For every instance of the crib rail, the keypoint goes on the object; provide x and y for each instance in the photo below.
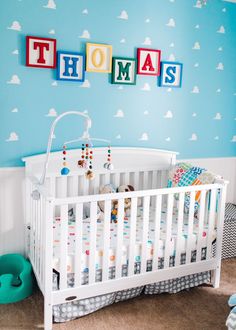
(76, 184)
(210, 214)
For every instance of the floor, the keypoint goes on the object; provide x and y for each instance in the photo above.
(202, 308)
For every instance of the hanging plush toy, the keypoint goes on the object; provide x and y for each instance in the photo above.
(82, 162)
(65, 170)
(109, 165)
(89, 162)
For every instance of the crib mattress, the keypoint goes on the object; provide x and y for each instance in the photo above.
(126, 233)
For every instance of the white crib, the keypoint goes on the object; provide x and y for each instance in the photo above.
(146, 170)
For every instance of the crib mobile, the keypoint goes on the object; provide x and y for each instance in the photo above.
(86, 161)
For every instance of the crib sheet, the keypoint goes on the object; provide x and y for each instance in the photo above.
(126, 233)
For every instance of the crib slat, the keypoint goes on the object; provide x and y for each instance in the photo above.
(154, 180)
(153, 186)
(52, 186)
(92, 251)
(179, 228)
(75, 185)
(126, 178)
(85, 186)
(63, 187)
(116, 179)
(81, 184)
(63, 246)
(145, 180)
(200, 225)
(96, 184)
(146, 205)
(157, 231)
(107, 178)
(211, 222)
(133, 219)
(78, 242)
(136, 180)
(119, 242)
(190, 227)
(168, 230)
(106, 240)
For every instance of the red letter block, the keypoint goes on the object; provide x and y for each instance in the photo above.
(149, 61)
(40, 52)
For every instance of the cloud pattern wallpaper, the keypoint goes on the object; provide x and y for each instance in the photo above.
(197, 120)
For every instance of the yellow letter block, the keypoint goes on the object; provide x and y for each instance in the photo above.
(98, 57)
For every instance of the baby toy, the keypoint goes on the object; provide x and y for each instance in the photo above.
(126, 188)
(109, 165)
(65, 170)
(106, 189)
(82, 162)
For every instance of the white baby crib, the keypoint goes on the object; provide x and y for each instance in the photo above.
(145, 169)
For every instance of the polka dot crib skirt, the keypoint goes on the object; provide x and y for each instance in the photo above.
(72, 310)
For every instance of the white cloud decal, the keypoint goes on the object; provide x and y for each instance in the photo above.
(12, 137)
(220, 66)
(51, 113)
(144, 137)
(193, 137)
(147, 41)
(196, 46)
(119, 114)
(15, 80)
(85, 35)
(233, 138)
(171, 23)
(146, 87)
(198, 4)
(15, 26)
(86, 84)
(195, 90)
(218, 116)
(221, 29)
(51, 4)
(168, 115)
(123, 15)
(15, 52)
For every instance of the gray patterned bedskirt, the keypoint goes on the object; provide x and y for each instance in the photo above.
(72, 310)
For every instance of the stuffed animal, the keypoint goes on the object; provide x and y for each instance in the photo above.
(107, 189)
(126, 188)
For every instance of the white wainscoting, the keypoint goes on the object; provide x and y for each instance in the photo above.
(12, 227)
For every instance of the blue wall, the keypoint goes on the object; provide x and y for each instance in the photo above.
(192, 130)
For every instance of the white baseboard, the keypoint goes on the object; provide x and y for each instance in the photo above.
(12, 199)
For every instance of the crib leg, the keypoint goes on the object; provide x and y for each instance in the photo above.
(215, 276)
(47, 315)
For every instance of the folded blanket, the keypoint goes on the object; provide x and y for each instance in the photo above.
(184, 174)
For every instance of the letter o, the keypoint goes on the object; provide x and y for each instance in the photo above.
(101, 54)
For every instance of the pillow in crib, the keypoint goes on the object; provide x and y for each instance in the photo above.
(184, 174)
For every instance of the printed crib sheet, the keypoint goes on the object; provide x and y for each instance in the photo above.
(126, 233)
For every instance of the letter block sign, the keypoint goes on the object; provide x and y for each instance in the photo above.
(124, 71)
(70, 66)
(98, 57)
(149, 61)
(40, 52)
(171, 74)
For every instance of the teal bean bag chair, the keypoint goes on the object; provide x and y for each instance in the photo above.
(16, 280)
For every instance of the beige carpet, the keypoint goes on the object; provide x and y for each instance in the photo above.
(200, 308)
